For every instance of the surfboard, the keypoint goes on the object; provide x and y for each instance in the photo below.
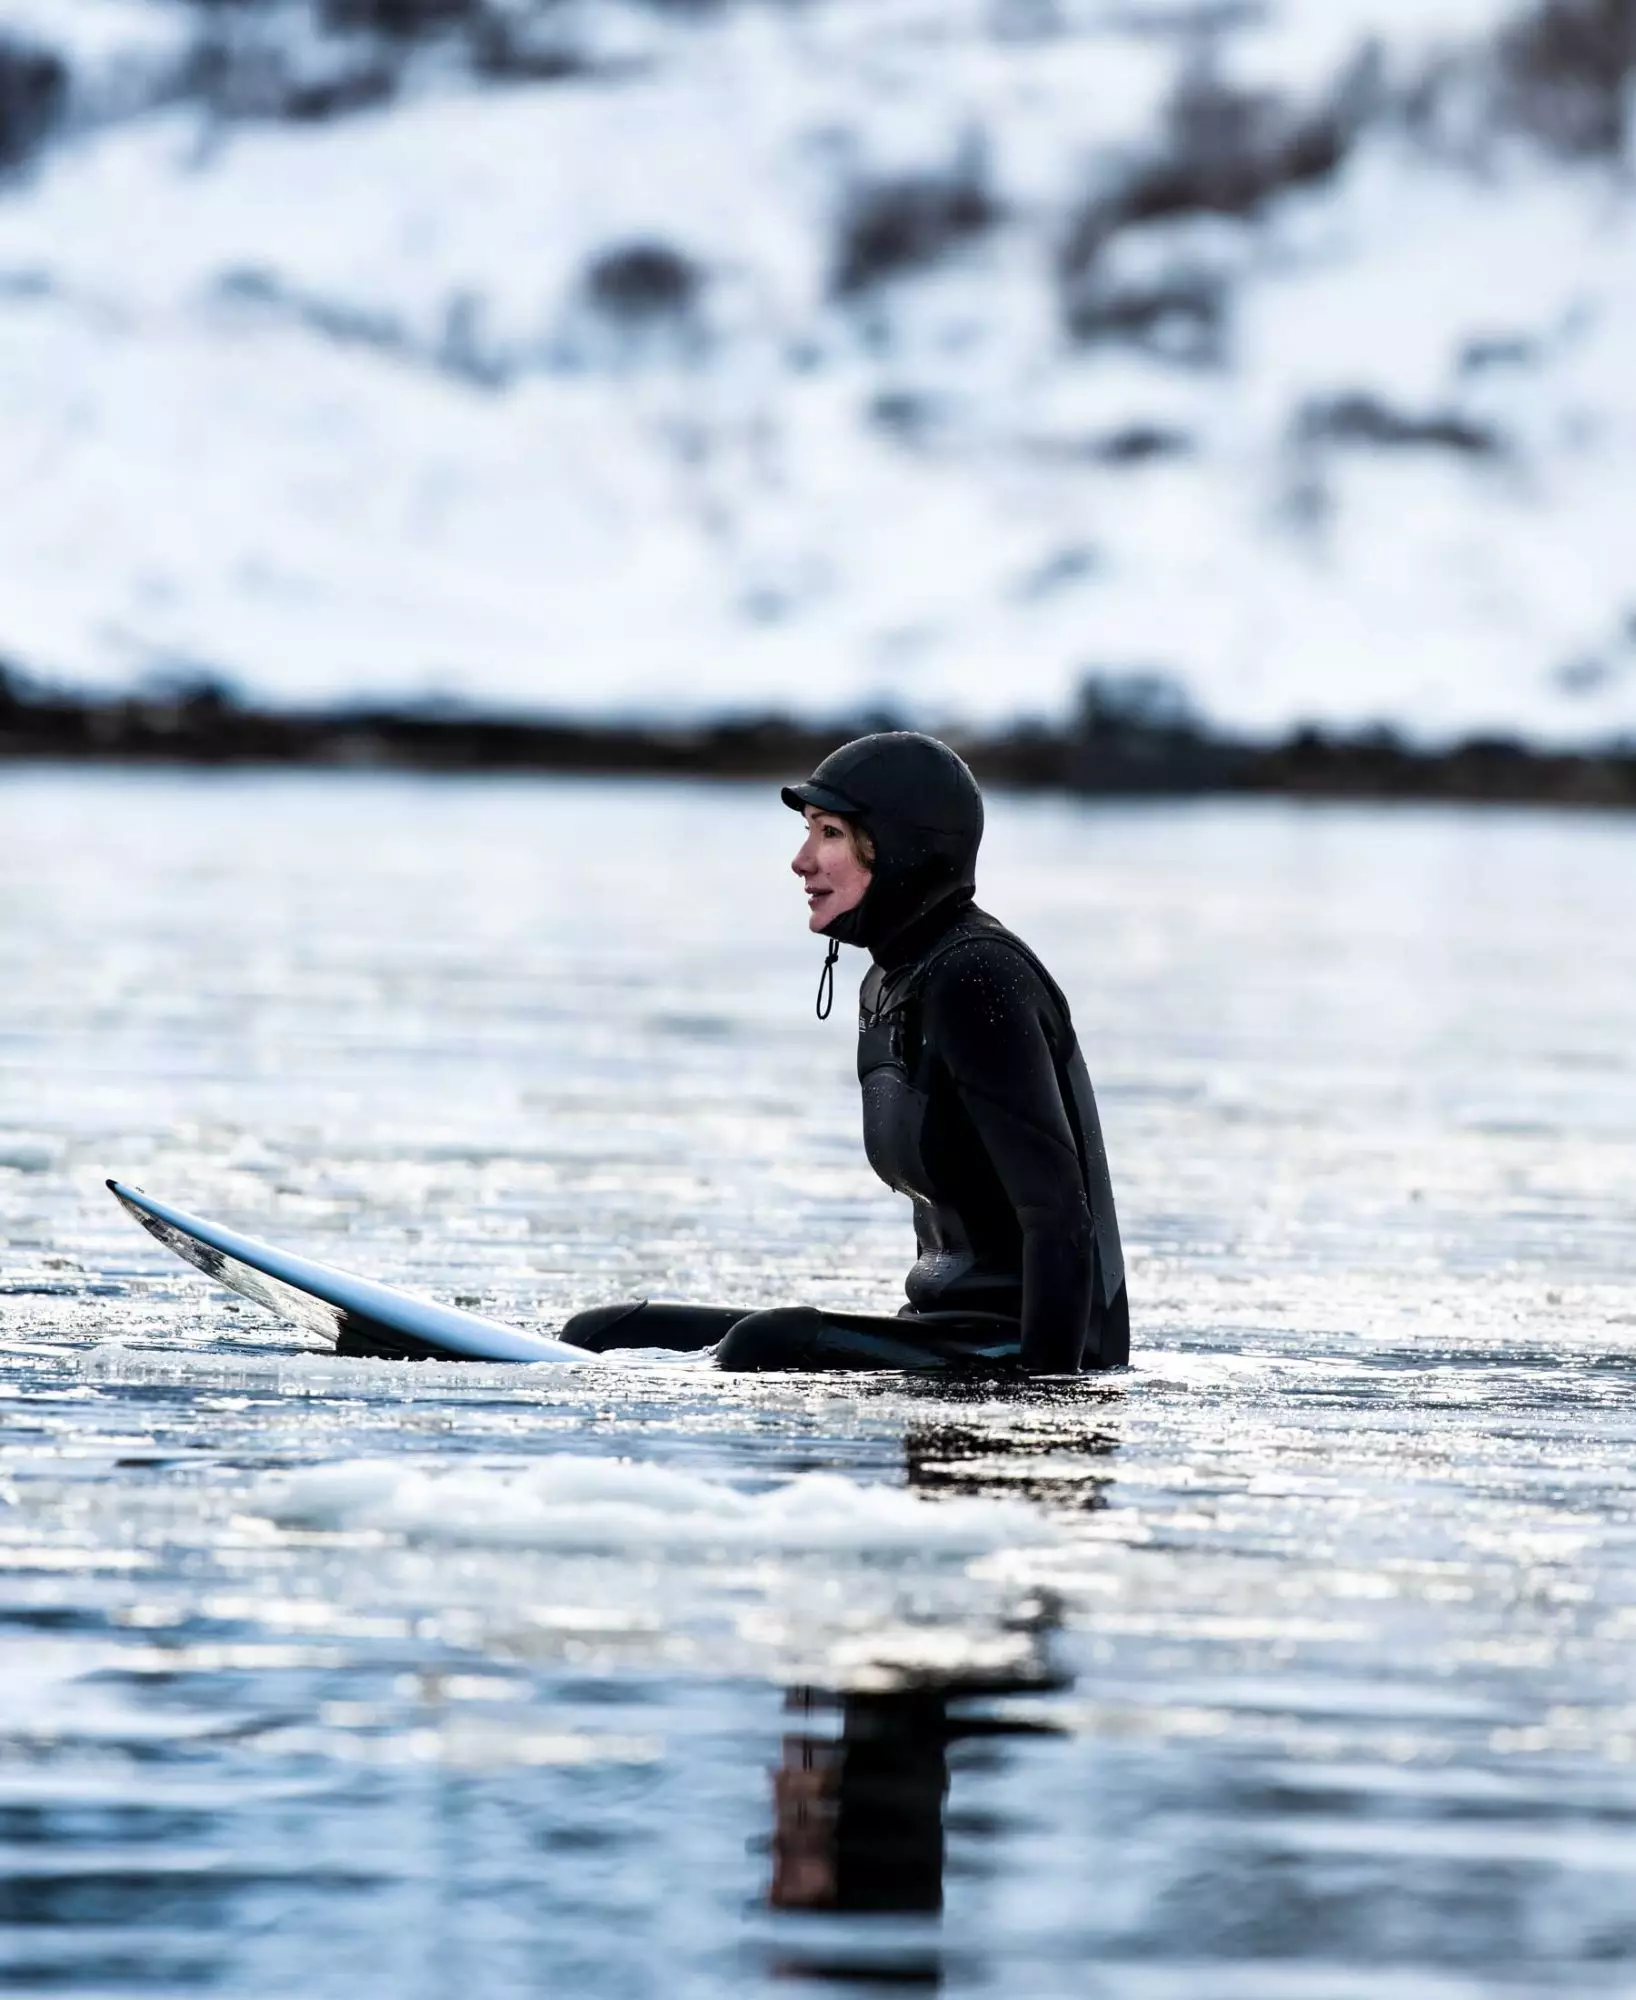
(357, 1314)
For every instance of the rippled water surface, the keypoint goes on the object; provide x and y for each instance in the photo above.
(1296, 1661)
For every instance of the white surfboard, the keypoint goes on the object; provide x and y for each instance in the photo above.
(357, 1314)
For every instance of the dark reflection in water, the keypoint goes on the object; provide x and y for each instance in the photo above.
(861, 1789)
(858, 1811)
(859, 1817)
(991, 1463)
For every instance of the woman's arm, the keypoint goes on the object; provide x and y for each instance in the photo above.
(986, 1012)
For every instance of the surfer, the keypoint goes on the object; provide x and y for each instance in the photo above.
(976, 1102)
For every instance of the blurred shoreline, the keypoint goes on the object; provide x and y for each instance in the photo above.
(1118, 742)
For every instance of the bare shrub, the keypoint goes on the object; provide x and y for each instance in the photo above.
(1227, 151)
(351, 325)
(909, 416)
(525, 46)
(33, 96)
(1224, 153)
(401, 19)
(1142, 444)
(1181, 316)
(640, 284)
(895, 226)
(1065, 568)
(246, 64)
(1362, 419)
(1230, 150)
(317, 59)
(1487, 352)
(1565, 73)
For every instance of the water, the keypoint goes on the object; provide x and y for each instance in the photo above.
(1295, 1662)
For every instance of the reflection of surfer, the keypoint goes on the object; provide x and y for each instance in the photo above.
(858, 1815)
(858, 1808)
(977, 1103)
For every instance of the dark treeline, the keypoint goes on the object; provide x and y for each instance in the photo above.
(1125, 737)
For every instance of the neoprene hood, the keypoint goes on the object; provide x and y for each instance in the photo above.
(921, 807)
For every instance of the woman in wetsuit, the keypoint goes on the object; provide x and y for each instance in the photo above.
(976, 1102)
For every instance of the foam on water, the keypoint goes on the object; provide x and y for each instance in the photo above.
(597, 1505)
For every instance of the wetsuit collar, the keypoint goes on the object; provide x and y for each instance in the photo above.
(908, 940)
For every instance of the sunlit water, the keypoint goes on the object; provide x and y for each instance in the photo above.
(1296, 1661)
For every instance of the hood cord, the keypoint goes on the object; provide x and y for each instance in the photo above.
(826, 980)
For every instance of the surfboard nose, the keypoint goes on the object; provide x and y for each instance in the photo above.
(374, 1318)
(129, 1198)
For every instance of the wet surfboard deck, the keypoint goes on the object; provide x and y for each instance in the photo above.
(358, 1315)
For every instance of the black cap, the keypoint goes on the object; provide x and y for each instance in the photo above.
(899, 775)
(824, 797)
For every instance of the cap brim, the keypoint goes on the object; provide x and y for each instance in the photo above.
(799, 797)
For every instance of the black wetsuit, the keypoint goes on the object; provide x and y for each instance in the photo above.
(976, 1104)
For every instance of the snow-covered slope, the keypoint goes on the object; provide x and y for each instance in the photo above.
(814, 355)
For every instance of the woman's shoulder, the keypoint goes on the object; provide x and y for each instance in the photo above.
(985, 965)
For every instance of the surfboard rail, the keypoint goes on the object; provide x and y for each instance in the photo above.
(359, 1315)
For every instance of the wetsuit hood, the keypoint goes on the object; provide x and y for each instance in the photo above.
(921, 807)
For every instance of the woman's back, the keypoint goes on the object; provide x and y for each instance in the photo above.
(978, 1106)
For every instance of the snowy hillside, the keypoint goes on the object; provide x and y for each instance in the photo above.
(590, 355)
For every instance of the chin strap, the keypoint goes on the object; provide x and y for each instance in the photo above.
(826, 980)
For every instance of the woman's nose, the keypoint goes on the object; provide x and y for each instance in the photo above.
(803, 864)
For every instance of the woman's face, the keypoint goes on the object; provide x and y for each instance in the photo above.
(831, 873)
